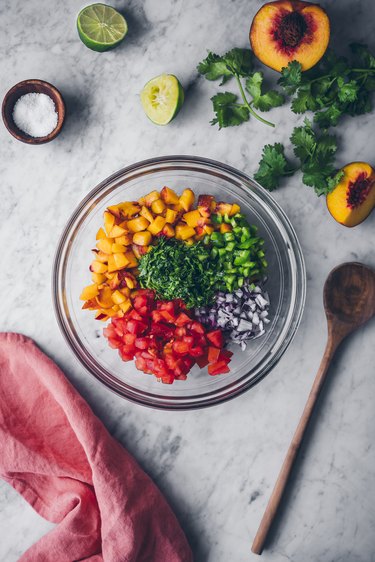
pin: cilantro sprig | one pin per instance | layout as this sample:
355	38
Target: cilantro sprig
315	153
229	109
334	88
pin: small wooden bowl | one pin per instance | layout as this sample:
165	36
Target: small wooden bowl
31	87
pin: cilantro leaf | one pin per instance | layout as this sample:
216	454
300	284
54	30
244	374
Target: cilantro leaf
316	154
304	100
228	111
239	61
214	67
329	117
263	102
362	55
291	77
347	92
272	166
303	139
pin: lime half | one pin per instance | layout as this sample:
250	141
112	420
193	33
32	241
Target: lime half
101	27
162	98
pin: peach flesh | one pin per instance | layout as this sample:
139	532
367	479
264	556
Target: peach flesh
291	29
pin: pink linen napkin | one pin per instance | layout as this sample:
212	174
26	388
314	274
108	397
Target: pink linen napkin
59	456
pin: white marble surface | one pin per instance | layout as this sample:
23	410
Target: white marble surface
216	466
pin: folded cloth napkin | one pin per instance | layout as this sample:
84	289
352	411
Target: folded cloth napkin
59	456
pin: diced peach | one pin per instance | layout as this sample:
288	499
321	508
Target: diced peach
130	281
190	241
121	260
118	297
208	229
89	292
138	224
117	248
117	231
183	232
90	304
132	260
157	225
109	221
126	305
100	256
125	239
168	231
98	267
192	218
115	282
234	210
187	199
115	211
158	206
105	245
169	196
151	197
146	213
171	216
102	316
139	251
223	208
100	234
109	275
204	204
104	298
124	225
224	227
129	209
112	266
98	278
142	238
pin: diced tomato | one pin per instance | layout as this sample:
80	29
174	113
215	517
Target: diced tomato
182	319
129	339
135	327
140	301
218	368
142	343
198	328
134	315
181	347
216	338
202	361
164	340
213	354
225	355
168	316
180	332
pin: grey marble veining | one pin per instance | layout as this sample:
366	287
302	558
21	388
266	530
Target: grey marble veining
216	466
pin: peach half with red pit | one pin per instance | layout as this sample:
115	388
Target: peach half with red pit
283	31
353	199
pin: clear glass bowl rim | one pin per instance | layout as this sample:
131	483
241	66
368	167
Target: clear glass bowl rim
62	251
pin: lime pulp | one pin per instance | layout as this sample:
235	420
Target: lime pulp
101	27
162	98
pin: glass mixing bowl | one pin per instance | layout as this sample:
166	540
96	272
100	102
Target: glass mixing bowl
286	282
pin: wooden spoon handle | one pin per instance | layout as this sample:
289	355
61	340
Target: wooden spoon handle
287	466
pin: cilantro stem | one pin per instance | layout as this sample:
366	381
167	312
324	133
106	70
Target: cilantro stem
247	104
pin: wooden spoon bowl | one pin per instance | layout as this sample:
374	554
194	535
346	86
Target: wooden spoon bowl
31	87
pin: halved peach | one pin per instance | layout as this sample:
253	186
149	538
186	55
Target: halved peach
288	30
353	198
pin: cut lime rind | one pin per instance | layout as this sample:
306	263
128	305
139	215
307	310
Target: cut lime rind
101	27
162	98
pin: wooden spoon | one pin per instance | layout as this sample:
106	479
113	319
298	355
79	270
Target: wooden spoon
349	301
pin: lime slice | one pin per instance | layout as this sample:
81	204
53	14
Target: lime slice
162	98
101	27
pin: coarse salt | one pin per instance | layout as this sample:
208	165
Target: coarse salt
35	114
